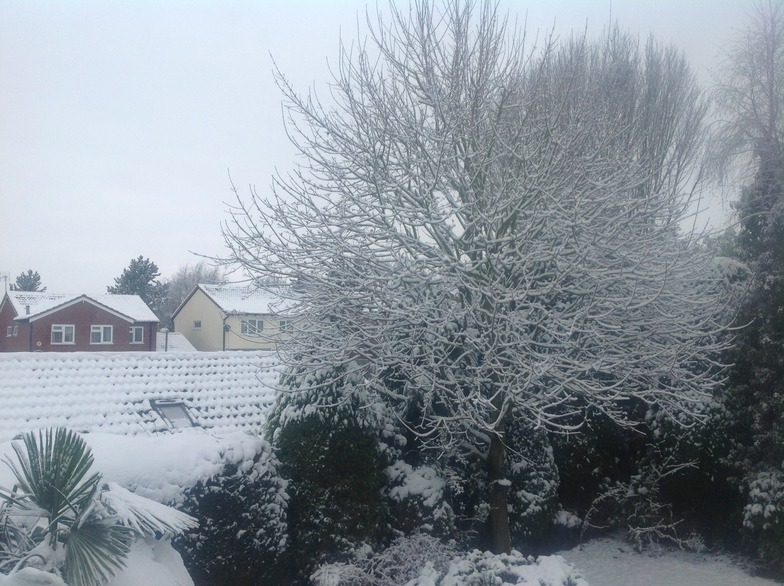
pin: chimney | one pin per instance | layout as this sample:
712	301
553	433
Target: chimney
27	309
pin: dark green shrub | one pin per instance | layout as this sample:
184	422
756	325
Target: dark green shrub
417	500
763	516
336	475
533	489
243	528
328	434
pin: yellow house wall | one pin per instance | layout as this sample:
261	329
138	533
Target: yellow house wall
209	337
236	340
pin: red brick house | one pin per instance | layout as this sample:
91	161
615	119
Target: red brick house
60	322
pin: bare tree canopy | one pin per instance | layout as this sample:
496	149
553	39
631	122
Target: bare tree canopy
749	93
488	230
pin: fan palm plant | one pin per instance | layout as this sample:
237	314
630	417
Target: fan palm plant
86	527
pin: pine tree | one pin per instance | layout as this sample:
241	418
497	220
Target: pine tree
29	281
141	278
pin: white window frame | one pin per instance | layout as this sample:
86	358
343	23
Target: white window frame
16	330
286	325
134	339
8	331
102	330
63	330
253	327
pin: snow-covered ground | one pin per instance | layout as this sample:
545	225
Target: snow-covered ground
161	467
611	562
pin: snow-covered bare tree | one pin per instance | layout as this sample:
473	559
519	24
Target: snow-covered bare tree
180	285
479	228
749	93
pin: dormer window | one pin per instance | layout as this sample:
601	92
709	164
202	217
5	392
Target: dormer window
175	413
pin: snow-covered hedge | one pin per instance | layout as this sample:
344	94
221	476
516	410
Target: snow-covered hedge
417	501
242	513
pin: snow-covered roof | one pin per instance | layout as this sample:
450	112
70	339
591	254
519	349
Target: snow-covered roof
31	304
241	298
116	392
173	342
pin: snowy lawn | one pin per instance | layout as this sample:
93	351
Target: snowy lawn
162	467
611	562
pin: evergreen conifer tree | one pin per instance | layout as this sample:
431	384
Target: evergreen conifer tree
29	281
141	278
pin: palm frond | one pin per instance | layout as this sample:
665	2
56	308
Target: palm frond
95	551
142	514
53	472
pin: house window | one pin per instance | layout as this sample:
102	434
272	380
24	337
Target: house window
101	334
137	335
197	324
16	330
8	331
252	327
286	325
174	413
62	334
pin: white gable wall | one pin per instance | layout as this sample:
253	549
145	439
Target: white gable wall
199	307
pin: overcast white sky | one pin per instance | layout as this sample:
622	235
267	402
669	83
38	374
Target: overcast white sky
119	120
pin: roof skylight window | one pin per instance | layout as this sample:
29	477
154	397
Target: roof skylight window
175	413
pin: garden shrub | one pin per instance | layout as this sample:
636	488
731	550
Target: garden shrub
763	516
423	560
336	476
332	442
242	513
417	501
398	564
533	476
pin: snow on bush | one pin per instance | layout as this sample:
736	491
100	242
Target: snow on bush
242	512
417	499
422	560
763	515
163	467
533	482
479	568
330	445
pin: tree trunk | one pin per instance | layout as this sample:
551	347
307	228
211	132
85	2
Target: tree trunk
500	538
